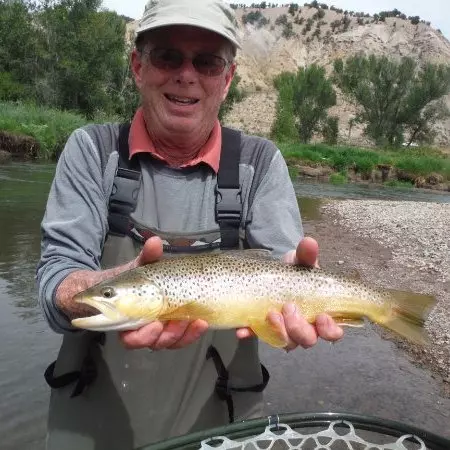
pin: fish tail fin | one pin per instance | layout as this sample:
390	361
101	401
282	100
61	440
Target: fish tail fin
409	313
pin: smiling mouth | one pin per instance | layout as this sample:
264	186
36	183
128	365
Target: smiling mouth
184	101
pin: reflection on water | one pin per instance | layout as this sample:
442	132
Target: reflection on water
311	195
22	205
27	343
313	189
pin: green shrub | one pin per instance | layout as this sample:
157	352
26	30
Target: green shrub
338	178
330	130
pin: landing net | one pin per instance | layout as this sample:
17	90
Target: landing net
339	435
309	431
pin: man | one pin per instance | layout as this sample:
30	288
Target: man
106	396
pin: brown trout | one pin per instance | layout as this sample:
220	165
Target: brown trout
238	289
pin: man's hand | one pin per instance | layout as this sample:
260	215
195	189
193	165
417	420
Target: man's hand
292	325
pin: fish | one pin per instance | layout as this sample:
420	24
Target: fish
238	288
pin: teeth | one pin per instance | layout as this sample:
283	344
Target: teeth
185	101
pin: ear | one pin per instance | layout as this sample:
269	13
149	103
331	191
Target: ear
136	67
228	79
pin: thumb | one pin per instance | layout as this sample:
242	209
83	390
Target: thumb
152	251
307	252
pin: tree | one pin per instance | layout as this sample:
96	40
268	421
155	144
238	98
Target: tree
87	51
19	50
313	95
421	113
67	54
393	96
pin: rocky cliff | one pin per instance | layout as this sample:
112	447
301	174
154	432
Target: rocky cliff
268	50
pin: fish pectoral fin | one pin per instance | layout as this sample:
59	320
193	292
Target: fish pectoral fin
355	323
268	333
190	311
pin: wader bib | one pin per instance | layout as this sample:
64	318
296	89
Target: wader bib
105	397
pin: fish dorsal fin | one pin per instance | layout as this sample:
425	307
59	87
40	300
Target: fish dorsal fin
252	253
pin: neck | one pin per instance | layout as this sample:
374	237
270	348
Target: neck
178	152
177	148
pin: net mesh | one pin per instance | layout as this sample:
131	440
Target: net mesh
340	435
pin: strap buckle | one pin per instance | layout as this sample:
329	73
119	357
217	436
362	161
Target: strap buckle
228	204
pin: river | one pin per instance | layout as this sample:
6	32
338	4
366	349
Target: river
28	346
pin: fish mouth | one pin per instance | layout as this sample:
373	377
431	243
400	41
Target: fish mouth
104	306
109	318
102	323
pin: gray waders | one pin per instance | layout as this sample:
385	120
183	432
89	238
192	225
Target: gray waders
105	397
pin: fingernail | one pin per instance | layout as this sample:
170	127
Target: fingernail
290	309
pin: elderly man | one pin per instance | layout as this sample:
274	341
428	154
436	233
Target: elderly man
172	182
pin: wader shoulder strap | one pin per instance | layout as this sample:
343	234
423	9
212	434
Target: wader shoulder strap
228	190
127	180
228	207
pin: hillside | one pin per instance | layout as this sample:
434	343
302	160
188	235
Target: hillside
332	34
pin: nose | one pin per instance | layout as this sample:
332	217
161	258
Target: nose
186	74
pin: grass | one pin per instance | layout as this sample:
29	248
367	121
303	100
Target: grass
399	184
414	162
338	178
50	127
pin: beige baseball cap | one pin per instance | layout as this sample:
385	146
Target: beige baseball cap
213	15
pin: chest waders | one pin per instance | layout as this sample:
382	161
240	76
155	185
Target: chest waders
122	202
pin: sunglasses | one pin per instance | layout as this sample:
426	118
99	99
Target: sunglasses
171	59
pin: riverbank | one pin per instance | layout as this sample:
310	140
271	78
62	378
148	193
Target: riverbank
414	167
396	245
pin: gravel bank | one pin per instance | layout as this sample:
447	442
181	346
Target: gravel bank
417	235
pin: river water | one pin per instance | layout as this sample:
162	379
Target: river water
28	346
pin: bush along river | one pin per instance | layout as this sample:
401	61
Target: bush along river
376	233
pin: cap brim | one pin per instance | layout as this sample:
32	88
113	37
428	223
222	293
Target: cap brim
189	21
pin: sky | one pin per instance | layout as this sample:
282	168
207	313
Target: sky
435	11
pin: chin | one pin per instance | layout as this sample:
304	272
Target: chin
182	126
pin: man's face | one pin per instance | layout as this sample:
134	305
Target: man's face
182	100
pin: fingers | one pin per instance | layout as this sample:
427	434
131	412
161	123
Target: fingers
193	332
244	333
158	336
143	337
328	329
298	332
294	327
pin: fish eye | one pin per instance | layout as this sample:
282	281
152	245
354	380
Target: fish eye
108	292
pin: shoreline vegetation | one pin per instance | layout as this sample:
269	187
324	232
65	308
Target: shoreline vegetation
417	167
38	134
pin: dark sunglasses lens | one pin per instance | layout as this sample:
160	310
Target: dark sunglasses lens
166	59
210	65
